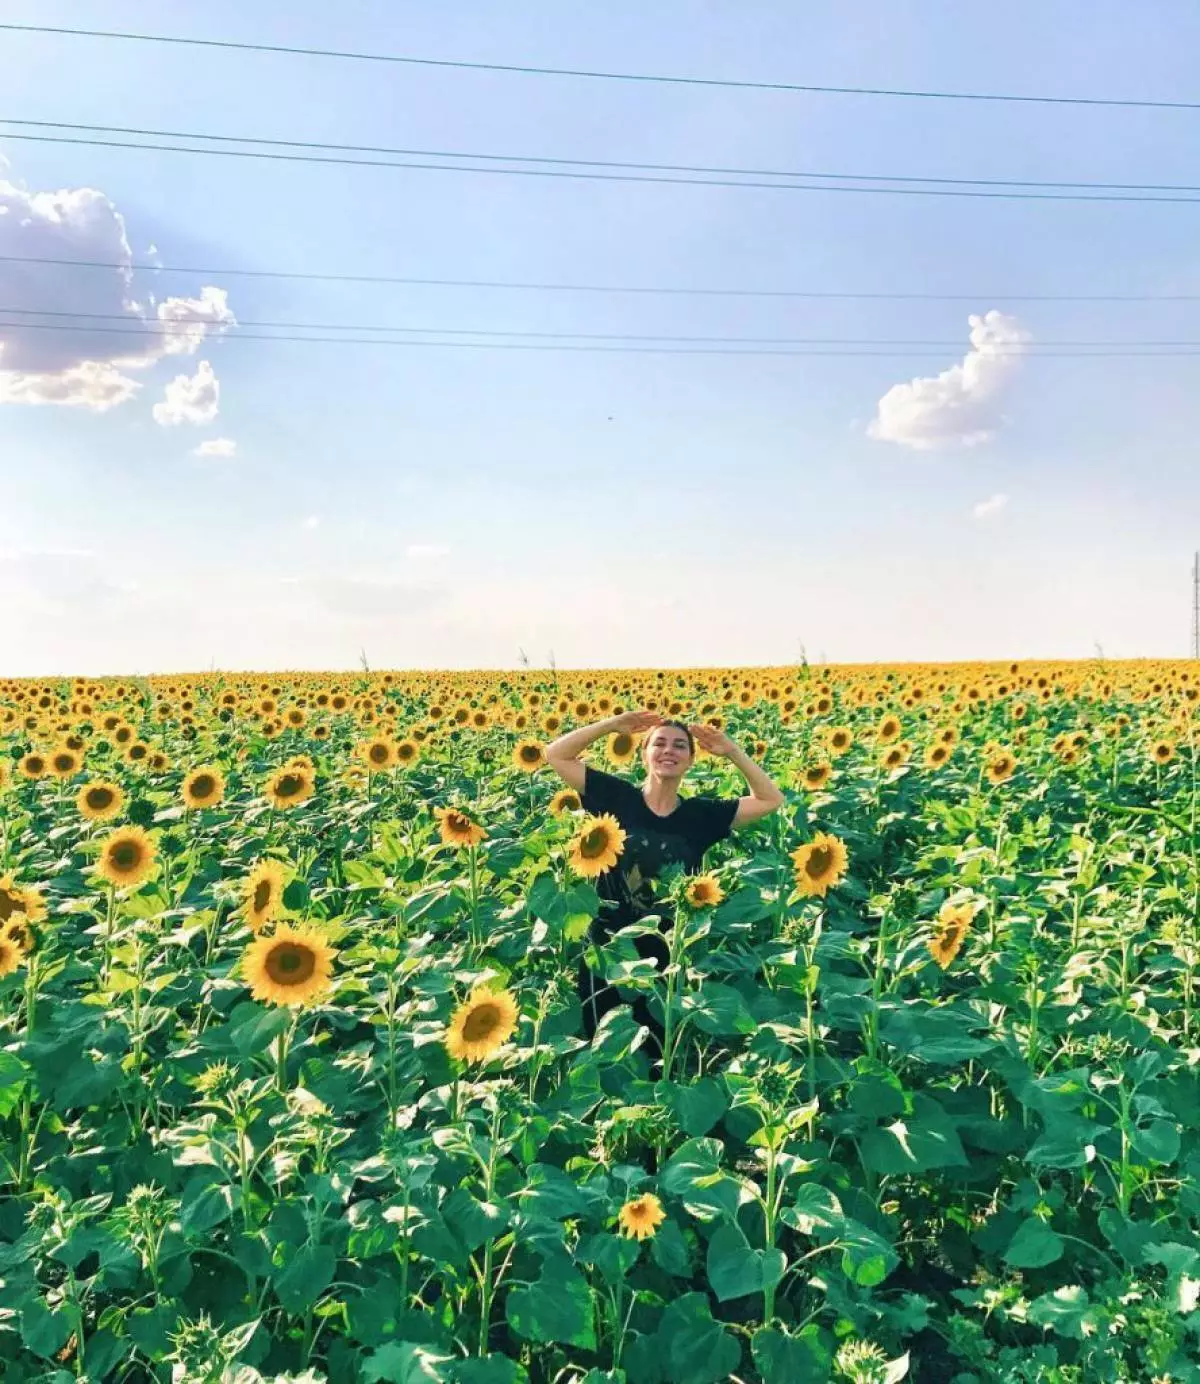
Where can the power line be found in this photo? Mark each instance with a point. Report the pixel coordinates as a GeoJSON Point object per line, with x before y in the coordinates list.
{"type": "Point", "coordinates": [229, 272]}
{"type": "Point", "coordinates": [705, 169]}
{"type": "Point", "coordinates": [530, 70]}
{"type": "Point", "coordinates": [180, 327]}
{"type": "Point", "coordinates": [994, 190]}
{"type": "Point", "coordinates": [1176, 349]}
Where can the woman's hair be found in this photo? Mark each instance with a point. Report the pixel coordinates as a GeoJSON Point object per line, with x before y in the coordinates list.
{"type": "Point", "coordinates": [678, 725]}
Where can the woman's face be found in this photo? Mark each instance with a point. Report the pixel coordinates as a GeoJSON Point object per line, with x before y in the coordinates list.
{"type": "Point", "coordinates": [666, 752]}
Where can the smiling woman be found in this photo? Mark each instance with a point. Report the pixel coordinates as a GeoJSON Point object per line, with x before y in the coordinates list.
{"type": "Point", "coordinates": [659, 829]}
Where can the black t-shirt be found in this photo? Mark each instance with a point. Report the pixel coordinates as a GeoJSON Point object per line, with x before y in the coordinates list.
{"type": "Point", "coordinates": [652, 842]}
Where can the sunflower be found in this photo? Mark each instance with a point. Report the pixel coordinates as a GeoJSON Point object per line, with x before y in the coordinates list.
{"type": "Point", "coordinates": [936, 755]}
{"type": "Point", "coordinates": [4, 774]}
{"type": "Point", "coordinates": [203, 787]}
{"type": "Point", "coordinates": [528, 756]}
{"type": "Point", "coordinates": [126, 857]}
{"type": "Point", "coordinates": [64, 763]}
{"type": "Point", "coordinates": [19, 902]}
{"type": "Point", "coordinates": [378, 753]}
{"type": "Point", "coordinates": [1163, 751]}
{"type": "Point", "coordinates": [819, 864]}
{"type": "Point", "coordinates": [704, 892]}
{"type": "Point", "coordinates": [407, 751]}
{"type": "Point", "coordinates": [11, 955]}
{"type": "Point", "coordinates": [839, 739]}
{"type": "Point", "coordinates": [621, 747]}
{"type": "Point", "coordinates": [262, 892]}
{"type": "Point", "coordinates": [457, 829]}
{"type": "Point", "coordinates": [565, 800]}
{"type": "Point", "coordinates": [817, 775]}
{"type": "Point", "coordinates": [895, 756]}
{"type": "Point", "coordinates": [289, 786]}
{"type": "Point", "coordinates": [1000, 766]}
{"type": "Point", "coordinates": [598, 845]}
{"type": "Point", "coordinates": [950, 931]}
{"type": "Point", "coordinates": [887, 730]}
{"type": "Point", "coordinates": [641, 1217]}
{"type": "Point", "coordinates": [481, 1025]}
{"type": "Point", "coordinates": [21, 934]}
{"type": "Point", "coordinates": [291, 966]}
{"type": "Point", "coordinates": [100, 800]}
{"type": "Point", "coordinates": [33, 765]}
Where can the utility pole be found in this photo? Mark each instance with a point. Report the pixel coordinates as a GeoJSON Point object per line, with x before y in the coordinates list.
{"type": "Point", "coordinates": [1196, 606]}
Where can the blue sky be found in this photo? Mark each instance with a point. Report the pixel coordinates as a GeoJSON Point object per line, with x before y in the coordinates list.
{"type": "Point", "coordinates": [445, 508]}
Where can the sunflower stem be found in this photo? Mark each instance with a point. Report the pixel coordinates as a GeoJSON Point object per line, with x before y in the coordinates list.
{"type": "Point", "coordinates": [284, 1042]}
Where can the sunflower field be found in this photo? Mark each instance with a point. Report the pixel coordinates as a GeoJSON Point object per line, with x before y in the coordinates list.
{"type": "Point", "coordinates": [294, 1087]}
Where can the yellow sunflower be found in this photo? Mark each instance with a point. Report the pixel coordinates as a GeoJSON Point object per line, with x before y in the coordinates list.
{"type": "Point", "coordinates": [457, 829]}
{"type": "Point", "coordinates": [598, 846]}
{"type": "Point", "coordinates": [100, 800]}
{"type": "Point", "coordinates": [819, 864]}
{"type": "Point", "coordinates": [127, 857]}
{"type": "Point", "coordinates": [11, 956]}
{"type": "Point", "coordinates": [20, 933]}
{"type": "Point", "coordinates": [1000, 766]}
{"type": "Point", "coordinates": [565, 800]}
{"type": "Point", "coordinates": [64, 762]}
{"type": "Point", "coordinates": [641, 1217]}
{"type": "Point", "coordinates": [20, 902]}
{"type": "Point", "coordinates": [33, 765]}
{"type": "Point", "coordinates": [1163, 751]}
{"type": "Point", "coordinates": [262, 892]}
{"type": "Point", "coordinates": [950, 931]}
{"type": "Point", "coordinates": [378, 753]}
{"type": "Point", "coordinates": [482, 1024]}
{"type": "Point", "coordinates": [407, 752]}
{"type": "Point", "coordinates": [289, 786]}
{"type": "Point", "coordinates": [936, 755]}
{"type": "Point", "coordinates": [839, 739]}
{"type": "Point", "coordinates": [203, 787]}
{"type": "Point", "coordinates": [621, 747]}
{"type": "Point", "coordinates": [704, 892]}
{"type": "Point", "coordinates": [528, 756]}
{"type": "Point", "coordinates": [291, 966]}
{"type": "Point", "coordinates": [888, 730]}
{"type": "Point", "coordinates": [817, 775]}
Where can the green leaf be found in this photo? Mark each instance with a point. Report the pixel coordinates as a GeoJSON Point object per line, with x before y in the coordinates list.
{"type": "Point", "coordinates": [491, 1369]}
{"type": "Point", "coordinates": [697, 1106]}
{"type": "Point", "coordinates": [557, 1308]}
{"type": "Point", "coordinates": [939, 1036]}
{"type": "Point", "coordinates": [694, 1175]}
{"type": "Point", "coordinates": [867, 1258]}
{"type": "Point", "coordinates": [1065, 1311]}
{"type": "Point", "coordinates": [552, 1193]}
{"type": "Point", "coordinates": [205, 1205]}
{"type": "Point", "coordinates": [912, 1146]}
{"type": "Point", "coordinates": [742, 906]}
{"type": "Point", "coordinates": [736, 1269]}
{"type": "Point", "coordinates": [44, 1332]}
{"type": "Point", "coordinates": [13, 1075]}
{"type": "Point", "coordinates": [613, 1255]}
{"type": "Point", "coordinates": [719, 1009]}
{"type": "Point", "coordinates": [304, 1277]}
{"type": "Point", "coordinates": [473, 1221]}
{"type": "Point", "coordinates": [252, 1027]}
{"type": "Point", "coordinates": [1033, 1246]}
{"type": "Point", "coordinates": [404, 1363]}
{"type": "Point", "coordinates": [1157, 1141]}
{"type": "Point", "coordinates": [669, 1250]}
{"type": "Point", "coordinates": [816, 1210]}
{"type": "Point", "coordinates": [695, 1349]}
{"type": "Point", "coordinates": [296, 895]}
{"type": "Point", "coordinates": [784, 1359]}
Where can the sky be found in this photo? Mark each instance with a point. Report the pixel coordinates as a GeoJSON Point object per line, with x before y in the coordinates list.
{"type": "Point", "coordinates": [194, 497]}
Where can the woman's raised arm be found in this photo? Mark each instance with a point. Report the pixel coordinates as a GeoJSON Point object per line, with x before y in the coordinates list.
{"type": "Point", "coordinates": [562, 754]}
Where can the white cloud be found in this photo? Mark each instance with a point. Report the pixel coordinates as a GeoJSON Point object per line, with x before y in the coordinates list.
{"type": "Point", "coordinates": [93, 384]}
{"type": "Point", "coordinates": [190, 398]}
{"type": "Point", "coordinates": [66, 364]}
{"type": "Point", "coordinates": [421, 551]}
{"type": "Point", "coordinates": [216, 447]}
{"type": "Point", "coordinates": [993, 505]}
{"type": "Point", "coordinates": [961, 405]}
{"type": "Point", "coordinates": [71, 578]}
{"type": "Point", "coordinates": [313, 521]}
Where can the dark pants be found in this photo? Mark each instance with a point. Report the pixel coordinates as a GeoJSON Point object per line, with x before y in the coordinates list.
{"type": "Point", "coordinates": [597, 997]}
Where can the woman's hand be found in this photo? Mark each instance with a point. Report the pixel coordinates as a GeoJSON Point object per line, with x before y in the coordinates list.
{"type": "Point", "coordinates": [714, 741]}
{"type": "Point", "coordinates": [631, 722]}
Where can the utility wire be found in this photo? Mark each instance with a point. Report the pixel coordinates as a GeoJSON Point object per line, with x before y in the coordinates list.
{"type": "Point", "coordinates": [665, 290]}
{"type": "Point", "coordinates": [991, 191]}
{"type": "Point", "coordinates": [181, 327]}
{"type": "Point", "coordinates": [531, 70]}
{"type": "Point", "coordinates": [705, 169]}
{"type": "Point", "coordinates": [1022, 353]}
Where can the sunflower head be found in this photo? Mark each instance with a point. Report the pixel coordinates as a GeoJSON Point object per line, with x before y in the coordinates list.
{"type": "Point", "coordinates": [127, 857]}
{"type": "Point", "coordinates": [704, 892]}
{"type": "Point", "coordinates": [1163, 751]}
{"type": "Point", "coordinates": [289, 786]}
{"type": "Point", "coordinates": [64, 762]}
{"type": "Point", "coordinates": [407, 751]}
{"type": "Point", "coordinates": [262, 892]}
{"type": "Point", "coordinates": [203, 787]}
{"type": "Point", "coordinates": [819, 864]}
{"type": "Point", "coordinates": [565, 800]}
{"type": "Point", "coordinates": [840, 739]}
{"type": "Point", "coordinates": [33, 765]}
{"type": "Point", "coordinates": [457, 829]}
{"type": "Point", "coordinates": [1000, 766]}
{"type": "Point", "coordinates": [291, 966]}
{"type": "Point", "coordinates": [641, 1217]}
{"type": "Point", "coordinates": [377, 754]}
{"type": "Point", "coordinates": [100, 800]}
{"type": "Point", "coordinates": [11, 955]}
{"type": "Point", "coordinates": [20, 903]}
{"type": "Point", "coordinates": [528, 756]}
{"type": "Point", "coordinates": [482, 1024]}
{"type": "Point", "coordinates": [949, 932]}
{"type": "Point", "coordinates": [598, 846]}
{"type": "Point", "coordinates": [817, 775]}
{"type": "Point", "coordinates": [888, 730]}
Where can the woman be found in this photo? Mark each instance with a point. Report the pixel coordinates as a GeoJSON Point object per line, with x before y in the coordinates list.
{"type": "Point", "coordinates": [661, 829]}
